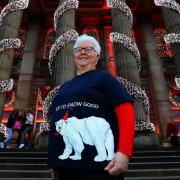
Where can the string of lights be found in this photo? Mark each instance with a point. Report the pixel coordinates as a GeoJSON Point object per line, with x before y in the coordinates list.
{"type": "Point", "coordinates": [172, 38]}
{"type": "Point", "coordinates": [129, 44]}
{"type": "Point", "coordinates": [169, 4]}
{"type": "Point", "coordinates": [12, 100]}
{"type": "Point", "coordinates": [48, 102]}
{"type": "Point", "coordinates": [123, 7]}
{"type": "Point", "coordinates": [60, 42]}
{"type": "Point", "coordinates": [172, 100]}
{"type": "Point", "coordinates": [6, 85]}
{"type": "Point", "coordinates": [65, 38]}
{"type": "Point", "coordinates": [3, 129]}
{"type": "Point", "coordinates": [9, 43]}
{"type": "Point", "coordinates": [13, 6]}
{"type": "Point", "coordinates": [66, 5]}
{"type": "Point", "coordinates": [136, 92]}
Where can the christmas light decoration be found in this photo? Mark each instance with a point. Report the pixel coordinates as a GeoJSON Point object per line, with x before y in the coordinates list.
{"type": "Point", "coordinates": [44, 127]}
{"type": "Point", "coordinates": [172, 38]}
{"type": "Point", "coordinates": [142, 126]}
{"type": "Point", "coordinates": [6, 85]}
{"type": "Point", "coordinates": [134, 90]}
{"type": "Point", "coordinates": [9, 43]}
{"type": "Point", "coordinates": [3, 129]}
{"type": "Point", "coordinates": [169, 4]}
{"type": "Point", "coordinates": [128, 43]}
{"type": "Point", "coordinates": [12, 100]}
{"type": "Point", "coordinates": [122, 7]}
{"type": "Point", "coordinates": [39, 98]}
{"type": "Point", "coordinates": [48, 102]}
{"type": "Point", "coordinates": [67, 5]}
{"type": "Point", "coordinates": [68, 36]}
{"type": "Point", "coordinates": [173, 102]}
{"type": "Point", "coordinates": [60, 42]}
{"type": "Point", "coordinates": [177, 81]}
{"type": "Point", "coordinates": [13, 6]}
{"type": "Point", "coordinates": [63, 40]}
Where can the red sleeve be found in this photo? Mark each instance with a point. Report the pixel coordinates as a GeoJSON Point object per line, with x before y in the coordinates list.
{"type": "Point", "coordinates": [126, 123]}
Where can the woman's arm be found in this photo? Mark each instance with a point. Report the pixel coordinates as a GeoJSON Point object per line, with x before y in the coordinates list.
{"type": "Point", "coordinates": [126, 118]}
{"type": "Point", "coordinates": [126, 123]}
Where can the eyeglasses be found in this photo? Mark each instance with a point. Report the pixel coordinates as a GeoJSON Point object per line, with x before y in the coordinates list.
{"type": "Point", "coordinates": [86, 49]}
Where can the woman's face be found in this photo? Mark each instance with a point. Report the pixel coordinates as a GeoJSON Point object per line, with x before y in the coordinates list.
{"type": "Point", "coordinates": [86, 58]}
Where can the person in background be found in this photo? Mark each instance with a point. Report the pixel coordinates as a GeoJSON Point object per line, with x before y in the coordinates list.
{"type": "Point", "coordinates": [172, 134]}
{"type": "Point", "coordinates": [11, 120]}
{"type": "Point", "coordinates": [27, 129]}
{"type": "Point", "coordinates": [18, 126]}
{"type": "Point", "coordinates": [92, 126]}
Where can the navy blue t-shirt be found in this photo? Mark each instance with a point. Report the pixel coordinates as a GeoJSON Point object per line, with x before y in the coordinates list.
{"type": "Point", "coordinates": [84, 130]}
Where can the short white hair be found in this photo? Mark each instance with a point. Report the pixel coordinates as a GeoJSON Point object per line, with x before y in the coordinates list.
{"type": "Point", "coordinates": [91, 39]}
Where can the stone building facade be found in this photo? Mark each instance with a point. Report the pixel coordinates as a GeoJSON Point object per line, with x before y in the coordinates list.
{"type": "Point", "coordinates": [28, 65]}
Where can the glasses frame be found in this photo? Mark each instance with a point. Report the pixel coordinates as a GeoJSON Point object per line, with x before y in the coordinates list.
{"type": "Point", "coordinates": [86, 50]}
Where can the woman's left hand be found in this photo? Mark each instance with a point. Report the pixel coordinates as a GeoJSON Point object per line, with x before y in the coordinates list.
{"type": "Point", "coordinates": [118, 165]}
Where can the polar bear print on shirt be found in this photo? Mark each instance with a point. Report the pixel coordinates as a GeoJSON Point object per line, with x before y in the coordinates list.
{"type": "Point", "coordinates": [93, 131]}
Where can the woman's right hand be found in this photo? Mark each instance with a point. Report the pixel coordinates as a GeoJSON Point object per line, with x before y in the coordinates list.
{"type": "Point", "coordinates": [118, 165]}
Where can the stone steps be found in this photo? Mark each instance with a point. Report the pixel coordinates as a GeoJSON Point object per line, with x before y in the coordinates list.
{"type": "Point", "coordinates": [132, 166]}
{"type": "Point", "coordinates": [24, 173]}
{"type": "Point", "coordinates": [156, 159]}
{"type": "Point", "coordinates": [146, 164]}
{"type": "Point", "coordinates": [25, 154]}
{"type": "Point", "coordinates": [126, 178]}
{"type": "Point", "coordinates": [154, 165]}
{"type": "Point", "coordinates": [154, 172]}
{"type": "Point", "coordinates": [23, 160]}
{"type": "Point", "coordinates": [25, 179]}
{"type": "Point", "coordinates": [22, 166]}
{"type": "Point", "coordinates": [152, 178]}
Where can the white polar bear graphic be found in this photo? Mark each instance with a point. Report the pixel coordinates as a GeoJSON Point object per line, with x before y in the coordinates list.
{"type": "Point", "coordinates": [93, 131]}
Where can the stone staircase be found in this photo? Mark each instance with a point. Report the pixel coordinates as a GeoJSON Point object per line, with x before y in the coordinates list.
{"type": "Point", "coordinates": [23, 164]}
{"type": "Point", "coordinates": [146, 164]}
{"type": "Point", "coordinates": [155, 163]}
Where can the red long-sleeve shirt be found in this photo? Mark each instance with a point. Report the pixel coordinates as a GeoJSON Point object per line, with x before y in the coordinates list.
{"type": "Point", "coordinates": [126, 122]}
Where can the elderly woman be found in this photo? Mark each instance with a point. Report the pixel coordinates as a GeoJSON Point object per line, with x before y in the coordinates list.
{"type": "Point", "coordinates": [92, 128]}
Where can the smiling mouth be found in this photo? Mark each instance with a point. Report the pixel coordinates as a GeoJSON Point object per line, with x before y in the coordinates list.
{"type": "Point", "coordinates": [83, 58]}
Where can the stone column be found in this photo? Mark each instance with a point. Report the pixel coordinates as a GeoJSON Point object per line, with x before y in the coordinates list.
{"type": "Point", "coordinates": [172, 22]}
{"type": "Point", "coordinates": [109, 51]}
{"type": "Point", "coordinates": [9, 29]}
{"type": "Point", "coordinates": [26, 71]}
{"type": "Point", "coordinates": [158, 80]}
{"type": "Point", "coordinates": [125, 61]}
{"type": "Point", "coordinates": [63, 64]}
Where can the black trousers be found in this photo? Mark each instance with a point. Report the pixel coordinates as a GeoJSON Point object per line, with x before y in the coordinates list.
{"type": "Point", "coordinates": [87, 175]}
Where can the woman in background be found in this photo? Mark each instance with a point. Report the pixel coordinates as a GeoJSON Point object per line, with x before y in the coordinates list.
{"type": "Point", "coordinates": [18, 126]}
{"type": "Point", "coordinates": [11, 121]}
{"type": "Point", "coordinates": [27, 129]}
